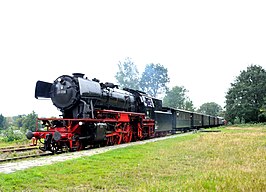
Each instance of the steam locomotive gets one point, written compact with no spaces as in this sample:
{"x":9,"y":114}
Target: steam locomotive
{"x":95,"y":113}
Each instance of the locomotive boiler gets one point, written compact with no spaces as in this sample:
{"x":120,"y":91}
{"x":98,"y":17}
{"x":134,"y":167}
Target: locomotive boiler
{"x":78,"y":97}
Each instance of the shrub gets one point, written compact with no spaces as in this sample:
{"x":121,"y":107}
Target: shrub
{"x":11,"y":134}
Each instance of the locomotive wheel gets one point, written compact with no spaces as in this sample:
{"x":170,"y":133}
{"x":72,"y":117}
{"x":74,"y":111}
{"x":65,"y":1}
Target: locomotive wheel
{"x":127,"y":135}
{"x":118,"y":137}
{"x":114,"y":138}
{"x":65,"y":148}
{"x":79,"y":145}
{"x":54,"y":147}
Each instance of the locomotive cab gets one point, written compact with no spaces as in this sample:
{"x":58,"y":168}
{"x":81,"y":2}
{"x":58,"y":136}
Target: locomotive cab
{"x":145,"y":103}
{"x":148,"y":106}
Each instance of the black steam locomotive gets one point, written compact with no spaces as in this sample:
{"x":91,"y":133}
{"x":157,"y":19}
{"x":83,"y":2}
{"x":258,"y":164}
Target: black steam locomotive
{"x":101,"y":113}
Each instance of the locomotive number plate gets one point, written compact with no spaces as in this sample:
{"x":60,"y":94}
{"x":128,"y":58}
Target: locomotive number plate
{"x":61,"y":91}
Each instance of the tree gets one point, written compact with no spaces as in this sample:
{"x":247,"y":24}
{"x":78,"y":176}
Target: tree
{"x":154,"y":79}
{"x":12,"y":134}
{"x":2,"y":122}
{"x":189,"y":105}
{"x":176,"y":98}
{"x":19,"y":120}
{"x":26,"y":122}
{"x":262,"y":113}
{"x":128,"y":75}
{"x":210,"y":108}
{"x":29,"y":121}
{"x":245,"y":98}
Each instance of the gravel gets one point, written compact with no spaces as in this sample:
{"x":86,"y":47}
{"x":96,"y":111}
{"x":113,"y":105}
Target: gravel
{"x":25,"y":164}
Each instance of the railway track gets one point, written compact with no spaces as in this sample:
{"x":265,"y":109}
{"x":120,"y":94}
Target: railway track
{"x":12,"y":147}
{"x":19,"y":148}
{"x":14,"y":153}
{"x":25,"y":157}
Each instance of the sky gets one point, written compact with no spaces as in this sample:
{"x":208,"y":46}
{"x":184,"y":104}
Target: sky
{"x":203,"y":44}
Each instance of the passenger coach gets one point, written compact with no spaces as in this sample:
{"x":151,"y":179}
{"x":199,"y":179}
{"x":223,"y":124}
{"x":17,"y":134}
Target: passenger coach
{"x":183,"y":120}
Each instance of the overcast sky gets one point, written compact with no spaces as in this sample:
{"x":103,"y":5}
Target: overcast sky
{"x":203,"y":44}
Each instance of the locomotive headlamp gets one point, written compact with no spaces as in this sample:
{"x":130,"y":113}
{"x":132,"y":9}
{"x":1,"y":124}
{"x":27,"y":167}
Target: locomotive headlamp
{"x":61,"y":81}
{"x":80,"y":123}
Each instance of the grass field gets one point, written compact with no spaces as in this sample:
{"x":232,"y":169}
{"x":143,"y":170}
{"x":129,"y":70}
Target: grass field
{"x":231,"y":160}
{"x":14,"y":143}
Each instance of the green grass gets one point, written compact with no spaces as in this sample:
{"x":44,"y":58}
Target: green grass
{"x":231,"y":160}
{"x":14,"y":143}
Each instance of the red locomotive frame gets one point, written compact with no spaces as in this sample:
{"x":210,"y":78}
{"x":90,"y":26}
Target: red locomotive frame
{"x":126,"y":127}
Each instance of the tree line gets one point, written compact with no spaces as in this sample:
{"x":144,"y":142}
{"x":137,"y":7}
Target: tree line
{"x":154,"y":81}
